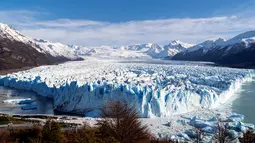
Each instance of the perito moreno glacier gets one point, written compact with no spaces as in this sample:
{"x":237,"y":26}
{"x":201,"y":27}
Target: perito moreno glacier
{"x":156,"y":90}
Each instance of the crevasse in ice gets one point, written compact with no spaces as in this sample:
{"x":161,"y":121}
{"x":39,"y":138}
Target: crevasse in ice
{"x":154,"y":89}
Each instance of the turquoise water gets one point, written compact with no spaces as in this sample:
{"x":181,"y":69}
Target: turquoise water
{"x":44,"y":105}
{"x":245,"y":102}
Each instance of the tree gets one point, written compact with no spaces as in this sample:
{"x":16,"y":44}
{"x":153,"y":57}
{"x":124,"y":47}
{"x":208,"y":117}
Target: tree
{"x":121,"y":121}
{"x":52,"y":132}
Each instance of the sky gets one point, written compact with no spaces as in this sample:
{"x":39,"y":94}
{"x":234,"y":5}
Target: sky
{"x":125,"y":22}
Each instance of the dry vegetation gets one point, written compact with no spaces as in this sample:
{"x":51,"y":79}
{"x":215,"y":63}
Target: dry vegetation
{"x":120,"y":124}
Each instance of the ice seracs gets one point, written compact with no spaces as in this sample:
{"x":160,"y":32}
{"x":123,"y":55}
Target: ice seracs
{"x":159,"y":90}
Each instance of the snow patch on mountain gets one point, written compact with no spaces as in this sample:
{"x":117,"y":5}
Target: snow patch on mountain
{"x":173,"y":48}
{"x":154,"y":51}
{"x":79,"y":50}
{"x":246,"y":38}
{"x":10,"y":33}
{"x":56,"y":49}
{"x":206,"y":46}
{"x":179,"y":45}
{"x":137,"y":51}
{"x":42,"y":46}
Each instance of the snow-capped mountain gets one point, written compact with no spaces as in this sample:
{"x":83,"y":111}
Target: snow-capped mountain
{"x":79,"y":50}
{"x":17,"y":50}
{"x":154,"y":51}
{"x":178,"y":45}
{"x":139,"y":51}
{"x":150,"y":50}
{"x":136,"y":47}
{"x":173,"y":48}
{"x":238,"y":51}
{"x":56,"y":49}
{"x":207,"y":45}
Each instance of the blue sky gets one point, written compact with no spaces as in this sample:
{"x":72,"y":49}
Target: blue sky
{"x":123,"y":22}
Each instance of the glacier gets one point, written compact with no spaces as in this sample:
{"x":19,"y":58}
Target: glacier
{"x":156,"y":90}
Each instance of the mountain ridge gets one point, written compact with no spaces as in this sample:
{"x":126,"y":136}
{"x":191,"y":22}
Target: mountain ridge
{"x":18,"y":51}
{"x":236,"y":52}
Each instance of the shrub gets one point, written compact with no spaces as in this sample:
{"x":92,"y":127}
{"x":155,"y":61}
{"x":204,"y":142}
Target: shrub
{"x":248,"y":137}
{"x":89,"y":135}
{"x":4,"y":119}
{"x":4,"y":136}
{"x":29,"y":135}
{"x":51,"y":132}
{"x":122,"y":122}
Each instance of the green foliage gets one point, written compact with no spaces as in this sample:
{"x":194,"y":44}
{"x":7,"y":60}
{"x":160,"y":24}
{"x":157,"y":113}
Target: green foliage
{"x":51,"y":132}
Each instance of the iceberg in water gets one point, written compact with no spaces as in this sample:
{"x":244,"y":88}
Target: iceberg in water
{"x":17,"y":101}
{"x":234,"y":129}
{"x":29,"y":107}
{"x":154,"y":89}
{"x":27,"y":101}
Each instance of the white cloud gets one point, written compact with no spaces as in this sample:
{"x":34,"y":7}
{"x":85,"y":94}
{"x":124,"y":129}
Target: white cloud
{"x":97,"y":33}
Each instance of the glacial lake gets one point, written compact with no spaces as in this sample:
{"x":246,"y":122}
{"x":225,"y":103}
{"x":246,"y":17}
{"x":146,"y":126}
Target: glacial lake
{"x":244,"y":102}
{"x":44,"y":105}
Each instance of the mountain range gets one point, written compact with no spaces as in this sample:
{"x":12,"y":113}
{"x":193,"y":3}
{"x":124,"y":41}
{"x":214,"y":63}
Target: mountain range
{"x":17,"y":51}
{"x":238,"y":51}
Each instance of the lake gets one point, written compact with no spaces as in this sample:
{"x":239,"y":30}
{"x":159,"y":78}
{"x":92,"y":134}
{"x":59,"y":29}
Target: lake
{"x":44,"y":105}
{"x":244,"y":103}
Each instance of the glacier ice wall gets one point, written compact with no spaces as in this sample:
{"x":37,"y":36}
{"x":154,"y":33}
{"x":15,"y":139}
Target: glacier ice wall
{"x":154,"y":89}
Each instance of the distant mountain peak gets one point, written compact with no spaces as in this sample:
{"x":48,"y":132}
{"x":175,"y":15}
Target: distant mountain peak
{"x":248,"y":34}
{"x":237,"y":52}
{"x":12,"y":34}
{"x":41,"y":40}
{"x":5,"y":26}
{"x":177,"y":44}
{"x":20,"y":51}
